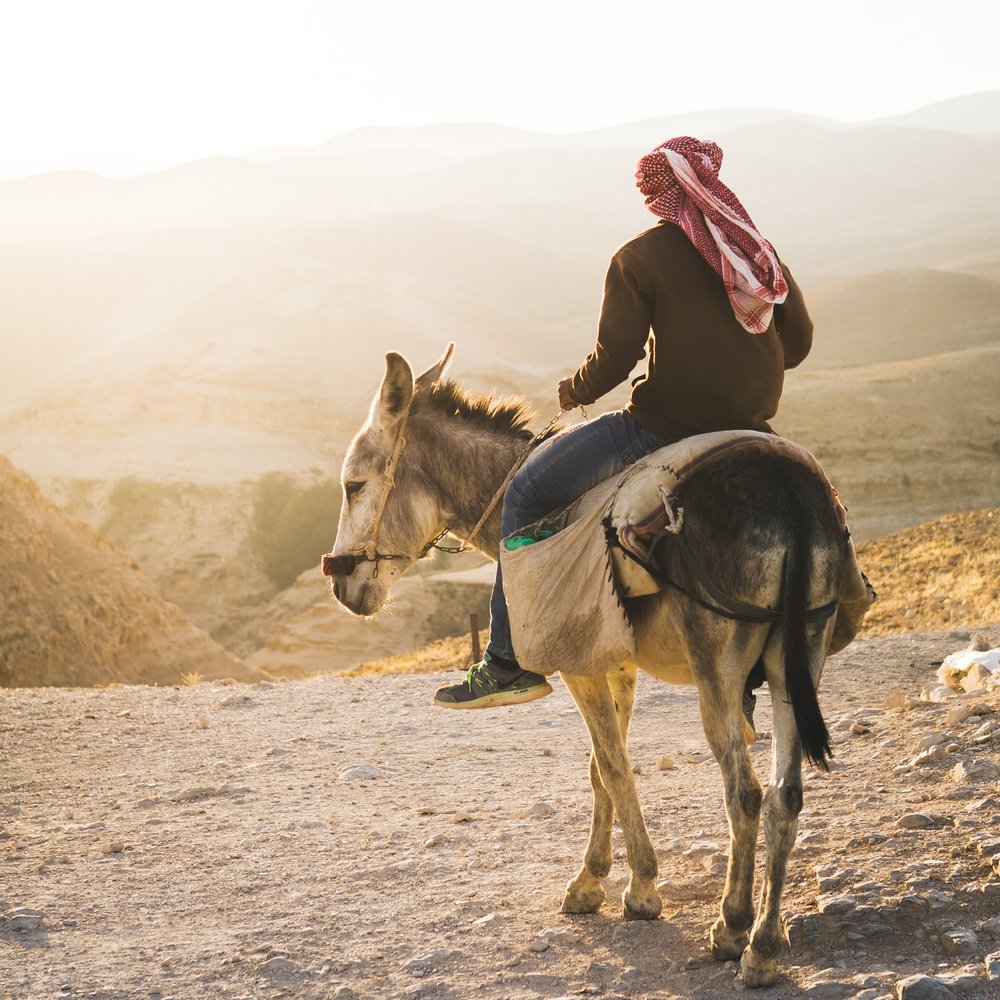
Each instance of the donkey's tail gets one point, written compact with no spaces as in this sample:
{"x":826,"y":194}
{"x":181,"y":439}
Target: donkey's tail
{"x":799,"y":685}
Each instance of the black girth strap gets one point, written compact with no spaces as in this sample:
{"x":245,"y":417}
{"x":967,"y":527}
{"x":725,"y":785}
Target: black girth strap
{"x":719,"y":603}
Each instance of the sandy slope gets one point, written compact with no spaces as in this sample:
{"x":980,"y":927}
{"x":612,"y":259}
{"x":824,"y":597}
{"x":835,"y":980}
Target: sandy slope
{"x":75,"y":610}
{"x":343,"y":838}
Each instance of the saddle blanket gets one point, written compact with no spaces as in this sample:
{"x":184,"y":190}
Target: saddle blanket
{"x":563,"y":619}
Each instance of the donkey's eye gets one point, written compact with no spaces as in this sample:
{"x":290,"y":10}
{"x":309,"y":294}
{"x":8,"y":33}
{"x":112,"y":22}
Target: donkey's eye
{"x":351,"y":490}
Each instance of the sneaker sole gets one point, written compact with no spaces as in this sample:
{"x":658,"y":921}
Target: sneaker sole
{"x":500,"y":698}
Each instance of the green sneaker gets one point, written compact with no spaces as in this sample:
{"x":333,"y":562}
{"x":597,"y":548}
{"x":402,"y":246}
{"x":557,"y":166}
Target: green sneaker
{"x":486,"y":686}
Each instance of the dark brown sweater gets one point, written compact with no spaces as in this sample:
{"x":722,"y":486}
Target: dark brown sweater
{"x":705,"y":371}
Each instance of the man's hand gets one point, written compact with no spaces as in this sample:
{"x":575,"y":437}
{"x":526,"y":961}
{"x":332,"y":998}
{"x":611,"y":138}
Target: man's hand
{"x":566,"y":399}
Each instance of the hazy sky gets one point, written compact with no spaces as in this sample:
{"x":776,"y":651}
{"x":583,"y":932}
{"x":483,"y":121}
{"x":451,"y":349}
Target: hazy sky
{"x":89,"y":82}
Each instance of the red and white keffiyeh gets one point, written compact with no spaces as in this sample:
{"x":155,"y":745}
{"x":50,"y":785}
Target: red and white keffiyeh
{"x":680,"y":180}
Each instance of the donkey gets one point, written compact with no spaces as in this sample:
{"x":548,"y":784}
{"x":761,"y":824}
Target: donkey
{"x":767,"y":533}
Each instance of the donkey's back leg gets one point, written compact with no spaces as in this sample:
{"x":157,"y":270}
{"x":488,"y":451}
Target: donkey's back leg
{"x":782,"y":804}
{"x":584,"y":894}
{"x":721,"y":660}
{"x":597,"y":706}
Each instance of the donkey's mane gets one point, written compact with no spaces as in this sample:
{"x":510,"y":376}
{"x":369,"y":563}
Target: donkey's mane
{"x":483,"y":409}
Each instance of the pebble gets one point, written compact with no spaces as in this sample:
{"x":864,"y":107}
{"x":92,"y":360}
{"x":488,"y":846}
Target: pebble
{"x":359,"y":772}
{"x":915,"y":821}
{"x":666,"y":764}
{"x":539,"y":944}
{"x":113,"y":847}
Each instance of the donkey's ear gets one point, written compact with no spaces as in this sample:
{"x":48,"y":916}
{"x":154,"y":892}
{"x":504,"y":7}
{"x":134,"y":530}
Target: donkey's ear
{"x":433,"y":374}
{"x":392,"y":401}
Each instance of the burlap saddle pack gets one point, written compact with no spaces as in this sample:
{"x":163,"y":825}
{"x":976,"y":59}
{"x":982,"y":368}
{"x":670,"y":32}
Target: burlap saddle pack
{"x":566,"y":591}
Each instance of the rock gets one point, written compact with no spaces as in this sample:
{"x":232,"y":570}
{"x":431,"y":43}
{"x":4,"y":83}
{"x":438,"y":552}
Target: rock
{"x":540,"y":810}
{"x":934,"y":739}
{"x":666,"y":764}
{"x":23,"y":918}
{"x":929,"y":756}
{"x":970,"y":771}
{"x":895,"y":699}
{"x":992,"y":963}
{"x":599,"y":972}
{"x":915,"y":821}
{"x":958,"y":714}
{"x":539,"y":944}
{"x":359,"y":772}
{"x":988,"y":848}
{"x":832,"y":905}
{"x":960,"y":941}
{"x":701,"y":849}
{"x":563,"y":935}
{"x":992,"y":926}
{"x":959,"y":981}
{"x":921,"y":988}
{"x":280,"y":966}
{"x":830,"y":990}
{"x":193,"y":794}
{"x":113,"y":847}
{"x":240,"y":700}
{"x":422,"y":964}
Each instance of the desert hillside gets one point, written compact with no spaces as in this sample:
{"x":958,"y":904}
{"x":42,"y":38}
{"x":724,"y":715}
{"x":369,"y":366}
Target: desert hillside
{"x":76,"y":611}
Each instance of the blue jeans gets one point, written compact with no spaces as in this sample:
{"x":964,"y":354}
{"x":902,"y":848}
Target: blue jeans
{"x":558,"y":472}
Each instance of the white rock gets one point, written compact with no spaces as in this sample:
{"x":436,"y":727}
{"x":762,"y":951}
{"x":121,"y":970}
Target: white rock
{"x":539,"y":944}
{"x":359,"y":772}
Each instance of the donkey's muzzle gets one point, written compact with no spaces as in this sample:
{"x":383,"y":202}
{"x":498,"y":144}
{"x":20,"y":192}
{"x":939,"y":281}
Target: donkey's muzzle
{"x":336,"y":566}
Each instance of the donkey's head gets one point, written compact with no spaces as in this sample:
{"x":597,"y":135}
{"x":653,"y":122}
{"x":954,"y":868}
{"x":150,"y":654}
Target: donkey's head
{"x":390,"y":512}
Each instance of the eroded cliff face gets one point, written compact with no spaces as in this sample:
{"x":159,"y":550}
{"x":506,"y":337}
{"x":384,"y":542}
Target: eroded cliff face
{"x":76,"y":611}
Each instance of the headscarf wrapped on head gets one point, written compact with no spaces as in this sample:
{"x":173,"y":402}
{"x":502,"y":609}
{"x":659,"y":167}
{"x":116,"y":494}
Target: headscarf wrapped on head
{"x":680,"y":180}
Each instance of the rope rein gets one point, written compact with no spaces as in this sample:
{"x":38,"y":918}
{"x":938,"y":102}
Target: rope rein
{"x":369,"y":550}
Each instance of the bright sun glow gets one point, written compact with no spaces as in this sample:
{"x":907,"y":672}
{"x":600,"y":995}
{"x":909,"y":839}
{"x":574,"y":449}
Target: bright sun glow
{"x":121,"y":86}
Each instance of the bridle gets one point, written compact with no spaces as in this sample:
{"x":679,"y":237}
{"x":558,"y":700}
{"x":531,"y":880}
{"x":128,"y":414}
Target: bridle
{"x":343,"y":565}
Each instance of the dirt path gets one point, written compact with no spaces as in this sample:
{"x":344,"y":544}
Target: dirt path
{"x":343,"y":838}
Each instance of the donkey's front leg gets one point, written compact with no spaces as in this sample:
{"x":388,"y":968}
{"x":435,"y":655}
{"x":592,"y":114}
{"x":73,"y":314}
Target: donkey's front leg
{"x":584,"y":894}
{"x":596,"y":703}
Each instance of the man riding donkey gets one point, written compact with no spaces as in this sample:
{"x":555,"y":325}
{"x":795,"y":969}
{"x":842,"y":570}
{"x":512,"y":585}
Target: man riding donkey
{"x":723,"y":319}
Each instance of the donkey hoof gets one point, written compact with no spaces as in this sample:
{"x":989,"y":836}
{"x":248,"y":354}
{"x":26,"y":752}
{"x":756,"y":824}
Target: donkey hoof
{"x":727,"y":945}
{"x":757,"y":971}
{"x":582,"y":898}
{"x":641,"y":907}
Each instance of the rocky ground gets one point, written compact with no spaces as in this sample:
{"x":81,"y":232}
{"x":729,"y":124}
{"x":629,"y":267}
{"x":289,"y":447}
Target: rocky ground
{"x":341,"y":838}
